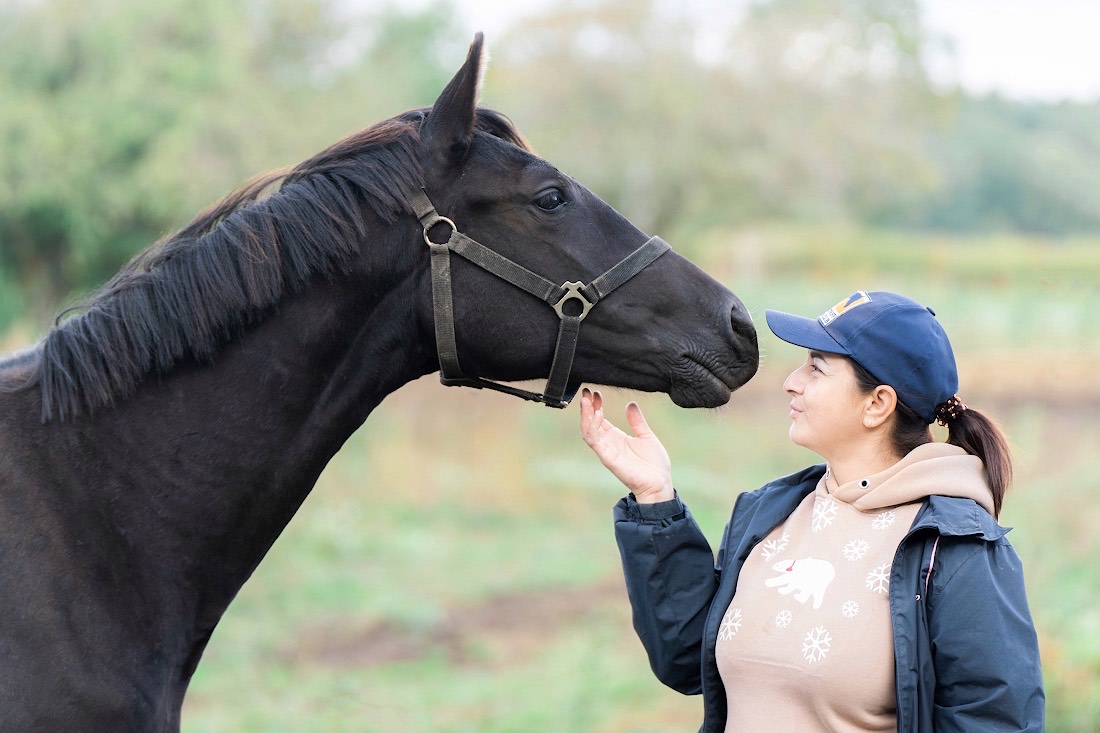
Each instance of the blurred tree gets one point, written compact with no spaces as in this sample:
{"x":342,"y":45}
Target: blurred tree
{"x":803,"y":108}
{"x":120,"y":120}
{"x":613,"y":92}
{"x":838,"y":92}
{"x":690,"y":118}
{"x":1013,"y":166}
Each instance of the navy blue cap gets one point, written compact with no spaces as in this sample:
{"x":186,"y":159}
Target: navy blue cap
{"x":896,"y":339}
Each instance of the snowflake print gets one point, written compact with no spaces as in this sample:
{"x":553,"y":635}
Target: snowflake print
{"x":850,"y":609}
{"x":883,"y":521}
{"x":855,"y":550}
{"x":878,"y":580}
{"x":824,"y":513}
{"x":731,"y":624}
{"x":816,"y":644}
{"x":771,"y":548}
{"x":783,"y":619}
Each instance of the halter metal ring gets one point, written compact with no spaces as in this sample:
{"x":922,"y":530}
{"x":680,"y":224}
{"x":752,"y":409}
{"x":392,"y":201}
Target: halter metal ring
{"x":573,"y":291}
{"x":439,"y":220}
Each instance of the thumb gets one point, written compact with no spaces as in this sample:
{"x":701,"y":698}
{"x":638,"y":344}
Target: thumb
{"x":637,"y":421}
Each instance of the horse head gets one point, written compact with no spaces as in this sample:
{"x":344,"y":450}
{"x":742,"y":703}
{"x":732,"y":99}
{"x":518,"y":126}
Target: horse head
{"x":668,"y":326}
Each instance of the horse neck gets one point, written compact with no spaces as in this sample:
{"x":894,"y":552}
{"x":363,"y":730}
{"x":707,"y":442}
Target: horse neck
{"x":216,"y":459}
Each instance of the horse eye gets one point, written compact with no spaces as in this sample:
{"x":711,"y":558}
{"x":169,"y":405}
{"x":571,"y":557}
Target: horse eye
{"x":552,"y":200}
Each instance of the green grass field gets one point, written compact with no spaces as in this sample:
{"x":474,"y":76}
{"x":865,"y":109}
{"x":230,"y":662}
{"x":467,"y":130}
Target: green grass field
{"x":455,"y":569}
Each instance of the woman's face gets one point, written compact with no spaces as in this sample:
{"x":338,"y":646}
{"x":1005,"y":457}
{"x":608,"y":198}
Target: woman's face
{"x":826,"y":406}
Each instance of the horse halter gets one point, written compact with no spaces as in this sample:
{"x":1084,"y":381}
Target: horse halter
{"x":558,"y":392}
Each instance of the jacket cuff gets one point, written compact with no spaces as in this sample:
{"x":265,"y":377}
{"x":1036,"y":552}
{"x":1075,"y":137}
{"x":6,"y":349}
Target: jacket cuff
{"x":657,"y":512}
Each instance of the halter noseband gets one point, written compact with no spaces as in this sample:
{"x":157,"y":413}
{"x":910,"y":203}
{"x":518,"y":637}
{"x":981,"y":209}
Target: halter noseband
{"x":558,"y":392}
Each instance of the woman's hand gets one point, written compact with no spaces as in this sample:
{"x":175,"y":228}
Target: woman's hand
{"x":640,"y":462}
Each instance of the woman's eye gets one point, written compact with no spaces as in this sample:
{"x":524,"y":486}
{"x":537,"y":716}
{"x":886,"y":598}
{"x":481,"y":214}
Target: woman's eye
{"x":552,"y":200}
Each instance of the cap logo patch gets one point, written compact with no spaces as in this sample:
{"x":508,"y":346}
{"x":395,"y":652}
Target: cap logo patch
{"x":854,"y":300}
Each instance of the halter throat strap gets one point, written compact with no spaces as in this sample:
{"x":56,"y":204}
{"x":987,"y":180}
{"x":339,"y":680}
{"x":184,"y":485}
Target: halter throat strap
{"x":559,"y":391}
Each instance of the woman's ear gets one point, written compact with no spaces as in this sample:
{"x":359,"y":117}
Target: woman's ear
{"x":881,"y":404}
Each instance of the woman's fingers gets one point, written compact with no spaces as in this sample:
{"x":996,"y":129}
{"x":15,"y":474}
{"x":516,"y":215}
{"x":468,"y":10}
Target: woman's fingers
{"x":593,"y":423}
{"x":586,"y":412}
{"x":637,"y":421}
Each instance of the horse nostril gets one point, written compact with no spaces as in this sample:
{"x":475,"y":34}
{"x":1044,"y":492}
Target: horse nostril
{"x":742,"y":323}
{"x":744,"y":340}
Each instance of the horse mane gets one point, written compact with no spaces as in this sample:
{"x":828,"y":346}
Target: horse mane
{"x":195,"y":290}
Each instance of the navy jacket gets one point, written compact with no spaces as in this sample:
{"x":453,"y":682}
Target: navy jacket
{"x":966,"y":653}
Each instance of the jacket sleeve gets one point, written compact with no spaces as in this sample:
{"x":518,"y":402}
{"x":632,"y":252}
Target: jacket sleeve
{"x":671,"y":580}
{"x":984,"y":645}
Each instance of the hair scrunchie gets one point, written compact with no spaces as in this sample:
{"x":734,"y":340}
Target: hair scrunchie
{"x":949,"y":411}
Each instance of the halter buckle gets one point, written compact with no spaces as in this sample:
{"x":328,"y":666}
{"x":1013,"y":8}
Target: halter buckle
{"x":430,"y":223}
{"x":573,"y":291}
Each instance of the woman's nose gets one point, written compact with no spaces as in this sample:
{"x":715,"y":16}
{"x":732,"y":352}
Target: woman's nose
{"x":793,"y":383}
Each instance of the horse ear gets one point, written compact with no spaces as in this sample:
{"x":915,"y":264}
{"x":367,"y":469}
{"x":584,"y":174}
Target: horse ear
{"x":450,"y":126}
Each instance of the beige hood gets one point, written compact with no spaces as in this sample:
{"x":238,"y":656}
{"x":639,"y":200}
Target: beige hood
{"x":933,"y":469}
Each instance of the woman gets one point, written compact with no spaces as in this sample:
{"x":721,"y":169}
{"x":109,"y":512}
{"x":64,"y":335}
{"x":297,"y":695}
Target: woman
{"x":875,"y":592}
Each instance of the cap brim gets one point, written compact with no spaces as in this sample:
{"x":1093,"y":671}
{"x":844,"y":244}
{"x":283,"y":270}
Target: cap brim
{"x":805,"y":332}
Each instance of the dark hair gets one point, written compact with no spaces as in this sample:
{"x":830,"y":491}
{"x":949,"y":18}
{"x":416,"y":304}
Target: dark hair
{"x":968,"y":428}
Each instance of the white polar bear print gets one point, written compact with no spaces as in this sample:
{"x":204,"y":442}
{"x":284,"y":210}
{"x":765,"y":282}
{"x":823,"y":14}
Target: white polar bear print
{"x":808,"y":576}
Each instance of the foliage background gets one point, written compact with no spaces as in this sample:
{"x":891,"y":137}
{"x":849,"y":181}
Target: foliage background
{"x":797,"y":153}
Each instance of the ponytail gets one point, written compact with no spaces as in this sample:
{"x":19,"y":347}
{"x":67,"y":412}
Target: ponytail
{"x":979,"y":436}
{"x":967,"y":428}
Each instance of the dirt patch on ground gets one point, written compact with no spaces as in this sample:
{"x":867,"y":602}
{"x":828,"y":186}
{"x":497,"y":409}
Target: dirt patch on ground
{"x":499,"y":630}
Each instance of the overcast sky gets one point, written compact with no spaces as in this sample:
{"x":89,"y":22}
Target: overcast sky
{"x":1029,"y":49}
{"x":1033,"y":49}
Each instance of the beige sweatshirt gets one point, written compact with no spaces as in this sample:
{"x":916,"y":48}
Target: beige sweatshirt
{"x":806,"y":643}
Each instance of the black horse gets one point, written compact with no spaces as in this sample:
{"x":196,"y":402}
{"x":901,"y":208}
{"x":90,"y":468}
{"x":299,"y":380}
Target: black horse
{"x":154,"y":445}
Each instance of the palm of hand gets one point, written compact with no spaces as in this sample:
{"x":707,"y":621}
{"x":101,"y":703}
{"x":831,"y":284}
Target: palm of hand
{"x":640,"y":461}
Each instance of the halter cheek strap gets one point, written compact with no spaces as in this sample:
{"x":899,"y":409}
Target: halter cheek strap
{"x":559,"y":392}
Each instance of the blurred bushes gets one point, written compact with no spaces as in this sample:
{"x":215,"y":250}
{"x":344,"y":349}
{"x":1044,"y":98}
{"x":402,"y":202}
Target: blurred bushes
{"x":119,"y":122}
